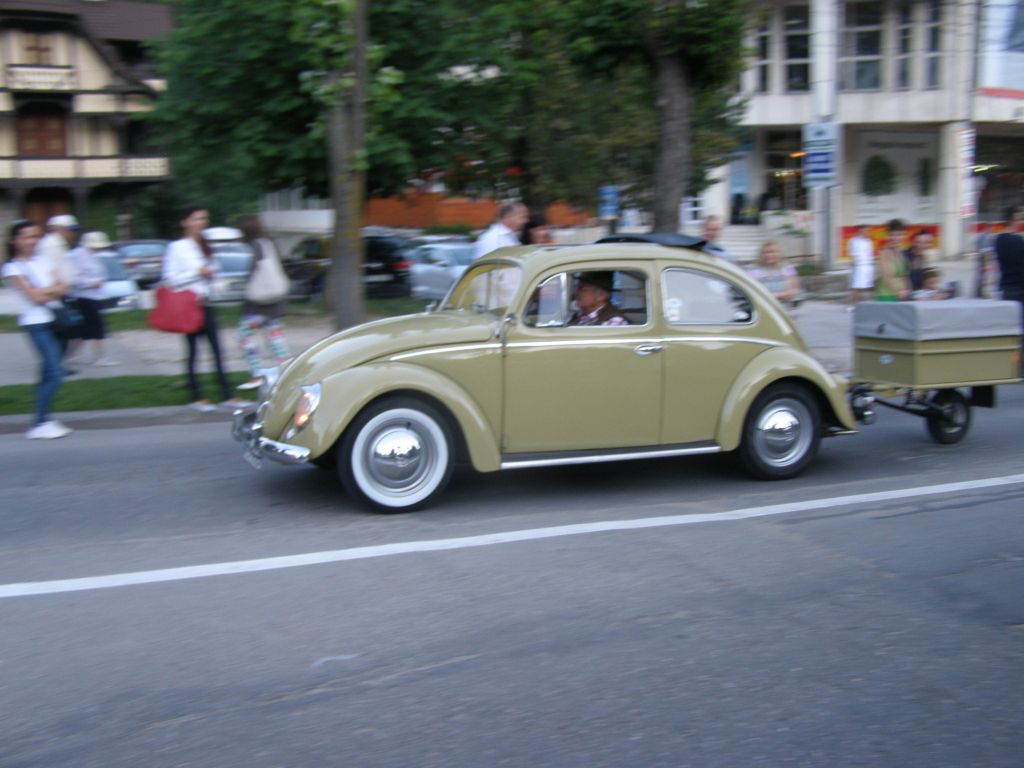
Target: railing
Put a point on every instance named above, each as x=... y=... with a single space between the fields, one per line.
x=116 y=167
x=36 y=77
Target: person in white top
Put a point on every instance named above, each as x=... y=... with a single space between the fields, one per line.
x=36 y=284
x=189 y=265
x=504 y=232
x=55 y=245
x=87 y=290
x=861 y=251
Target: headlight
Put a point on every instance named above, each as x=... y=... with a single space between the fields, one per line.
x=308 y=401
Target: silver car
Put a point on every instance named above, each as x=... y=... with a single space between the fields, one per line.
x=234 y=263
x=437 y=265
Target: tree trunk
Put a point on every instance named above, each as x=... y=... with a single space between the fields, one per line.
x=673 y=159
x=346 y=138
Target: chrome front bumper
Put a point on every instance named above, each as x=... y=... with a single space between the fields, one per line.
x=247 y=428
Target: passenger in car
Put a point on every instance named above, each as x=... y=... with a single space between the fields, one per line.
x=593 y=292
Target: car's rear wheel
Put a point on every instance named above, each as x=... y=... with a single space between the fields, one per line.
x=781 y=433
x=396 y=455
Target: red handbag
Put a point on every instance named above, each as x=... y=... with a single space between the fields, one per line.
x=176 y=311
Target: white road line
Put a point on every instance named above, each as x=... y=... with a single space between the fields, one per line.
x=25 y=589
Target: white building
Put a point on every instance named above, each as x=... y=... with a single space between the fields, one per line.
x=909 y=83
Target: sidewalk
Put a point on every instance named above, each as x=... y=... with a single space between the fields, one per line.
x=824 y=325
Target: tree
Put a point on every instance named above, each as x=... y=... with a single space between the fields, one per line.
x=337 y=32
x=693 y=51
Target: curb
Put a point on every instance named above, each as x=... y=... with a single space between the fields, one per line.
x=121 y=419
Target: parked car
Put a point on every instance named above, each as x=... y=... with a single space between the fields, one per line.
x=436 y=265
x=234 y=263
x=385 y=269
x=142 y=259
x=119 y=291
x=500 y=377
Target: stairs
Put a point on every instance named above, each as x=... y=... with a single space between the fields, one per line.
x=743 y=241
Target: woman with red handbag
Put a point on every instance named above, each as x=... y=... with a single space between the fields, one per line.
x=189 y=265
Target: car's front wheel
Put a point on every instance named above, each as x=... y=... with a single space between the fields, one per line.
x=396 y=455
x=781 y=433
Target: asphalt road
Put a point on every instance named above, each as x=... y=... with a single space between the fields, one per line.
x=868 y=613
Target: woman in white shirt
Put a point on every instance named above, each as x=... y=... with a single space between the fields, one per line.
x=189 y=265
x=36 y=285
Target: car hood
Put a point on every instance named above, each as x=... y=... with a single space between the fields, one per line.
x=384 y=338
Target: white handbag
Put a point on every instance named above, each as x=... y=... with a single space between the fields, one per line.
x=268 y=282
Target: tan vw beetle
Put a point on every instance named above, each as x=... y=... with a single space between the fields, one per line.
x=517 y=369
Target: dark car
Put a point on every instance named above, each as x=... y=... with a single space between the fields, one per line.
x=142 y=259
x=385 y=268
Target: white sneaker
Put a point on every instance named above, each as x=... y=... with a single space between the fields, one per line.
x=204 y=406
x=254 y=383
x=106 y=362
x=48 y=430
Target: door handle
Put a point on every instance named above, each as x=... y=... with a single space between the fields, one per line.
x=647 y=349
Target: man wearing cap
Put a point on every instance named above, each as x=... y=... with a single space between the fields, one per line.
x=87 y=290
x=593 y=291
x=55 y=244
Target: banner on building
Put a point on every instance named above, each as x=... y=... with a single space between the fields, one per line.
x=897 y=175
x=1001 y=44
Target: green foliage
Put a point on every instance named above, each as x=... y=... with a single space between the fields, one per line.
x=879 y=177
x=458 y=228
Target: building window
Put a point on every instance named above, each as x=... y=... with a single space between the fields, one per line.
x=764 y=56
x=42 y=132
x=38 y=50
x=904 y=46
x=933 y=46
x=797 y=21
x=860 y=62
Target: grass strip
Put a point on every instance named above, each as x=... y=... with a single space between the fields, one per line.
x=117 y=392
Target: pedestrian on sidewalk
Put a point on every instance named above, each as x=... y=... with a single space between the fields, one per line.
x=503 y=232
x=87 y=292
x=1009 y=250
x=266 y=301
x=775 y=275
x=892 y=283
x=36 y=283
x=861 y=251
x=711 y=231
x=189 y=264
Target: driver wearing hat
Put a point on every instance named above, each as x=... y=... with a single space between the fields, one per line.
x=593 y=291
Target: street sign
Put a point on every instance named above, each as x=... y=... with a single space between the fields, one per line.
x=608 y=207
x=821 y=150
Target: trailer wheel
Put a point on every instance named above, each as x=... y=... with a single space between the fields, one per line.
x=952 y=423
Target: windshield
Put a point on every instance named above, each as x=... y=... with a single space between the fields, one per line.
x=485 y=288
x=142 y=251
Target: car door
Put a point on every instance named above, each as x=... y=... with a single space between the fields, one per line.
x=710 y=337
x=575 y=388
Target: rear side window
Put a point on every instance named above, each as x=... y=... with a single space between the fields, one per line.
x=692 y=296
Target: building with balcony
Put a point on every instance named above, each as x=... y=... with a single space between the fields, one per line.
x=74 y=75
x=928 y=101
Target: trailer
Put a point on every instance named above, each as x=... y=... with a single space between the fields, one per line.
x=934 y=359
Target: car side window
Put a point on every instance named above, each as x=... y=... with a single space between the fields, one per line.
x=699 y=297
x=547 y=305
x=555 y=303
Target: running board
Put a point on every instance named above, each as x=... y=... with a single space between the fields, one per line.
x=561 y=458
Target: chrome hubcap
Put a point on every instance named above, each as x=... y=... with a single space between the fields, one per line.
x=781 y=434
x=396 y=456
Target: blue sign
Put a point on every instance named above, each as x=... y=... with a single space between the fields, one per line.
x=820 y=145
x=608 y=207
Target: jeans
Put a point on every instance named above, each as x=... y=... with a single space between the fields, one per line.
x=51 y=373
x=209 y=330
